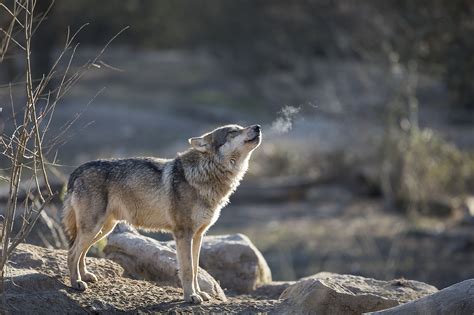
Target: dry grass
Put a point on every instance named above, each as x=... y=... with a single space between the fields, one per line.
x=422 y=171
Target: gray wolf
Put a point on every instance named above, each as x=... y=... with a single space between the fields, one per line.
x=183 y=196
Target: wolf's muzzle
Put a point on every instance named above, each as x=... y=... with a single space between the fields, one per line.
x=254 y=133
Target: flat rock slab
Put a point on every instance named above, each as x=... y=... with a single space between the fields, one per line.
x=328 y=293
x=457 y=299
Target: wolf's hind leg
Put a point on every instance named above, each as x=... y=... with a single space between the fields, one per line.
x=88 y=226
x=73 y=261
x=83 y=242
x=103 y=232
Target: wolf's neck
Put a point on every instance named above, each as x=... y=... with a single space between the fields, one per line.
x=215 y=180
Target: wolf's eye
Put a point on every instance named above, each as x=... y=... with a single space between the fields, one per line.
x=233 y=133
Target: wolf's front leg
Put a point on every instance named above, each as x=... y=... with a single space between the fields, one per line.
x=185 y=261
x=197 y=240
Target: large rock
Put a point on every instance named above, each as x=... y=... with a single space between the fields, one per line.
x=231 y=259
x=235 y=262
x=147 y=259
x=457 y=299
x=328 y=293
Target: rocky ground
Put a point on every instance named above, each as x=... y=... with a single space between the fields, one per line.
x=37 y=283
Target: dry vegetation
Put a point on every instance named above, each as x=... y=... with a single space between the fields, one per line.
x=25 y=149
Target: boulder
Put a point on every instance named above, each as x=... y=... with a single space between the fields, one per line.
x=328 y=293
x=231 y=259
x=147 y=259
x=453 y=300
x=235 y=262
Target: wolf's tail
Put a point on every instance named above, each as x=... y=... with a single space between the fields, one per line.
x=69 y=221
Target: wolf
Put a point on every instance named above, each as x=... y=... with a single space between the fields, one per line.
x=183 y=196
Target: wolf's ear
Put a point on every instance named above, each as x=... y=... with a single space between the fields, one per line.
x=199 y=143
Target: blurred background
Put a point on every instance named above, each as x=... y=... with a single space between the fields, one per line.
x=367 y=108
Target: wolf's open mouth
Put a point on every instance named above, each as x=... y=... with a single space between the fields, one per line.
x=253 y=139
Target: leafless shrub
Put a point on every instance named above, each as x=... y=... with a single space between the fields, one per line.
x=25 y=147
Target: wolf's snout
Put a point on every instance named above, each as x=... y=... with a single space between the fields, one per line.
x=254 y=128
x=253 y=134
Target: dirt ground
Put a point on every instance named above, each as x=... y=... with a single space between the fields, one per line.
x=38 y=284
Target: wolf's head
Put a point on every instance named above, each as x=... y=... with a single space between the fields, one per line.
x=231 y=143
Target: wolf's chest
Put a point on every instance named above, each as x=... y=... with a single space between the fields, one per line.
x=206 y=216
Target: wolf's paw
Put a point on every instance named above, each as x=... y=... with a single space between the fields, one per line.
x=194 y=298
x=79 y=285
x=89 y=277
x=204 y=295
